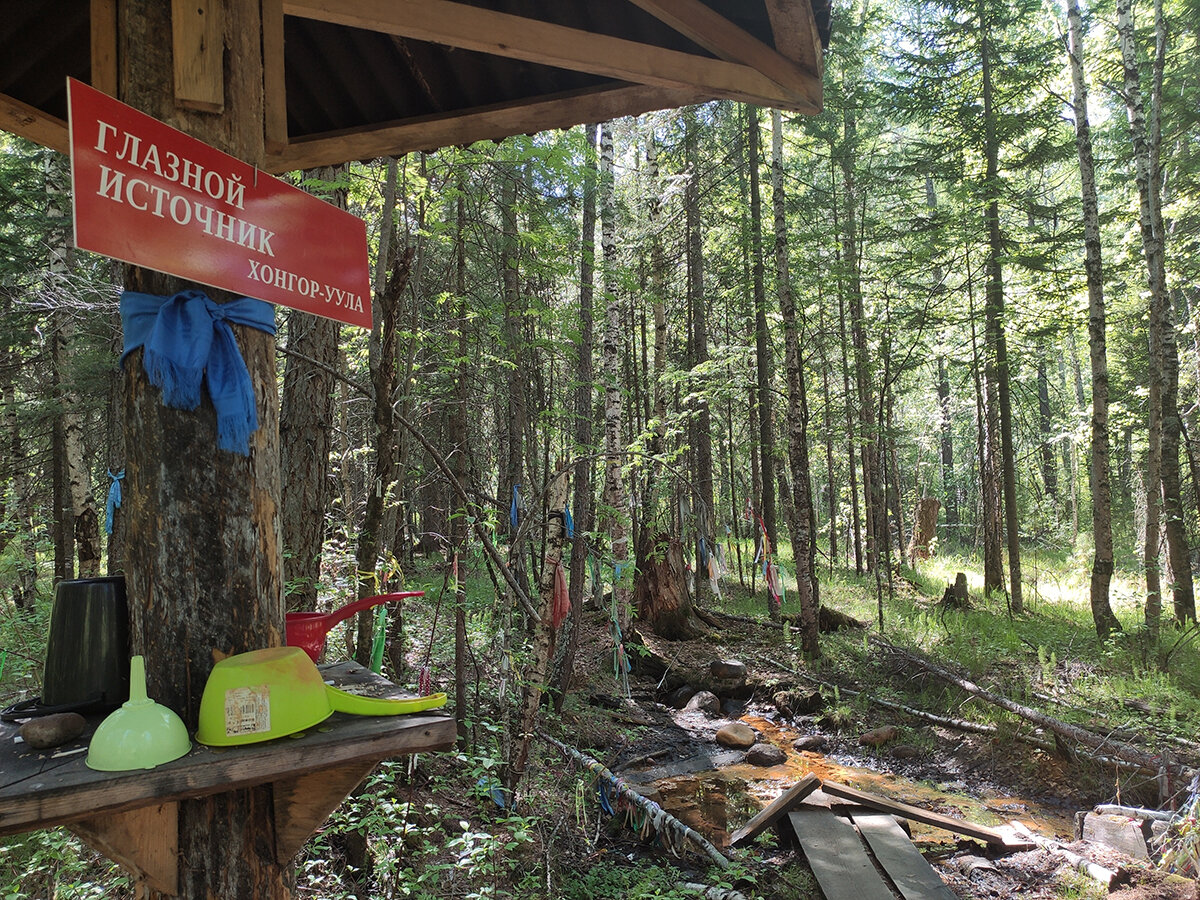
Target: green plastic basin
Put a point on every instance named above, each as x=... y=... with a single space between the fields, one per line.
x=261 y=695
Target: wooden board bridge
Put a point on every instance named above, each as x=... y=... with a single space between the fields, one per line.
x=855 y=845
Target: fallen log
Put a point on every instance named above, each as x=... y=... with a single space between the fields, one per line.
x=964 y=724
x=1099 y=743
x=1095 y=871
x=661 y=820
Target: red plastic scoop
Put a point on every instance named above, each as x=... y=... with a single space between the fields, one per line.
x=308 y=629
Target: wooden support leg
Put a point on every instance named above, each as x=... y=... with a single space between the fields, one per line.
x=145 y=841
x=304 y=802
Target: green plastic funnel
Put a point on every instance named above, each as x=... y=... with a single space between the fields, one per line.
x=141 y=734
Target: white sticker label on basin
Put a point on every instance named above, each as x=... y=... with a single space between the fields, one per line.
x=247 y=710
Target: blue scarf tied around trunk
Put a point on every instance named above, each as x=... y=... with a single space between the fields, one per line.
x=187 y=339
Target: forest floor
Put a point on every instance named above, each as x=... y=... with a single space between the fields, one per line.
x=670 y=754
x=437 y=827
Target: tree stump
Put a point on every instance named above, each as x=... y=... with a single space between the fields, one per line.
x=660 y=590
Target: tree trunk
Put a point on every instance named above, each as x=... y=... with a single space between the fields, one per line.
x=874 y=511
x=834 y=494
x=924 y=529
x=1046 y=429
x=204 y=560
x=994 y=314
x=1101 y=485
x=986 y=439
x=306 y=434
x=803 y=534
x=80 y=525
x=459 y=447
x=18 y=516
x=583 y=411
x=1162 y=467
x=382 y=439
x=763 y=356
x=851 y=456
x=949 y=481
x=701 y=426
x=614 y=484
x=543 y=631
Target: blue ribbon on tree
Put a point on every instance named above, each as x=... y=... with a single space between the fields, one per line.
x=113 y=503
x=512 y=510
x=187 y=340
x=570 y=523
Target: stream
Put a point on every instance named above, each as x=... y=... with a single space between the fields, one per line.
x=718 y=801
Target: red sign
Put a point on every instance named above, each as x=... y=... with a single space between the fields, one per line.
x=150 y=195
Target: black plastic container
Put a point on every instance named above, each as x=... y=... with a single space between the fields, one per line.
x=87 y=652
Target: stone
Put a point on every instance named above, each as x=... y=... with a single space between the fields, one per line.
x=798 y=703
x=732 y=708
x=727 y=670
x=765 y=755
x=877 y=737
x=906 y=751
x=1118 y=832
x=737 y=736
x=52 y=731
x=814 y=743
x=679 y=697
x=705 y=702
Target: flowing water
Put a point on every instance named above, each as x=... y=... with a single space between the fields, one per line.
x=718 y=802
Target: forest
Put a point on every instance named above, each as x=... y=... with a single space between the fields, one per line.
x=708 y=383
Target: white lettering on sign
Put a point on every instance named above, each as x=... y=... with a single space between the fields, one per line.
x=308 y=287
x=213 y=222
x=191 y=175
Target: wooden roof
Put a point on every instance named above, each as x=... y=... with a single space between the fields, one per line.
x=353 y=79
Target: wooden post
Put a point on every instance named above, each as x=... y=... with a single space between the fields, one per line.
x=203 y=543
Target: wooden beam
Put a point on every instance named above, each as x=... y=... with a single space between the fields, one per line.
x=33 y=124
x=703 y=25
x=144 y=841
x=955 y=826
x=104 y=46
x=784 y=803
x=796 y=33
x=532 y=40
x=304 y=802
x=274 y=81
x=198 y=47
x=484 y=123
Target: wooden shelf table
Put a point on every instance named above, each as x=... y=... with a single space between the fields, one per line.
x=132 y=817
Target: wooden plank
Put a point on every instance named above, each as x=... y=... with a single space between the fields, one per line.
x=784 y=803
x=532 y=40
x=275 y=134
x=956 y=826
x=485 y=123
x=796 y=33
x=837 y=857
x=33 y=124
x=104 y=46
x=198 y=51
x=911 y=874
x=145 y=841
x=304 y=802
x=702 y=24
